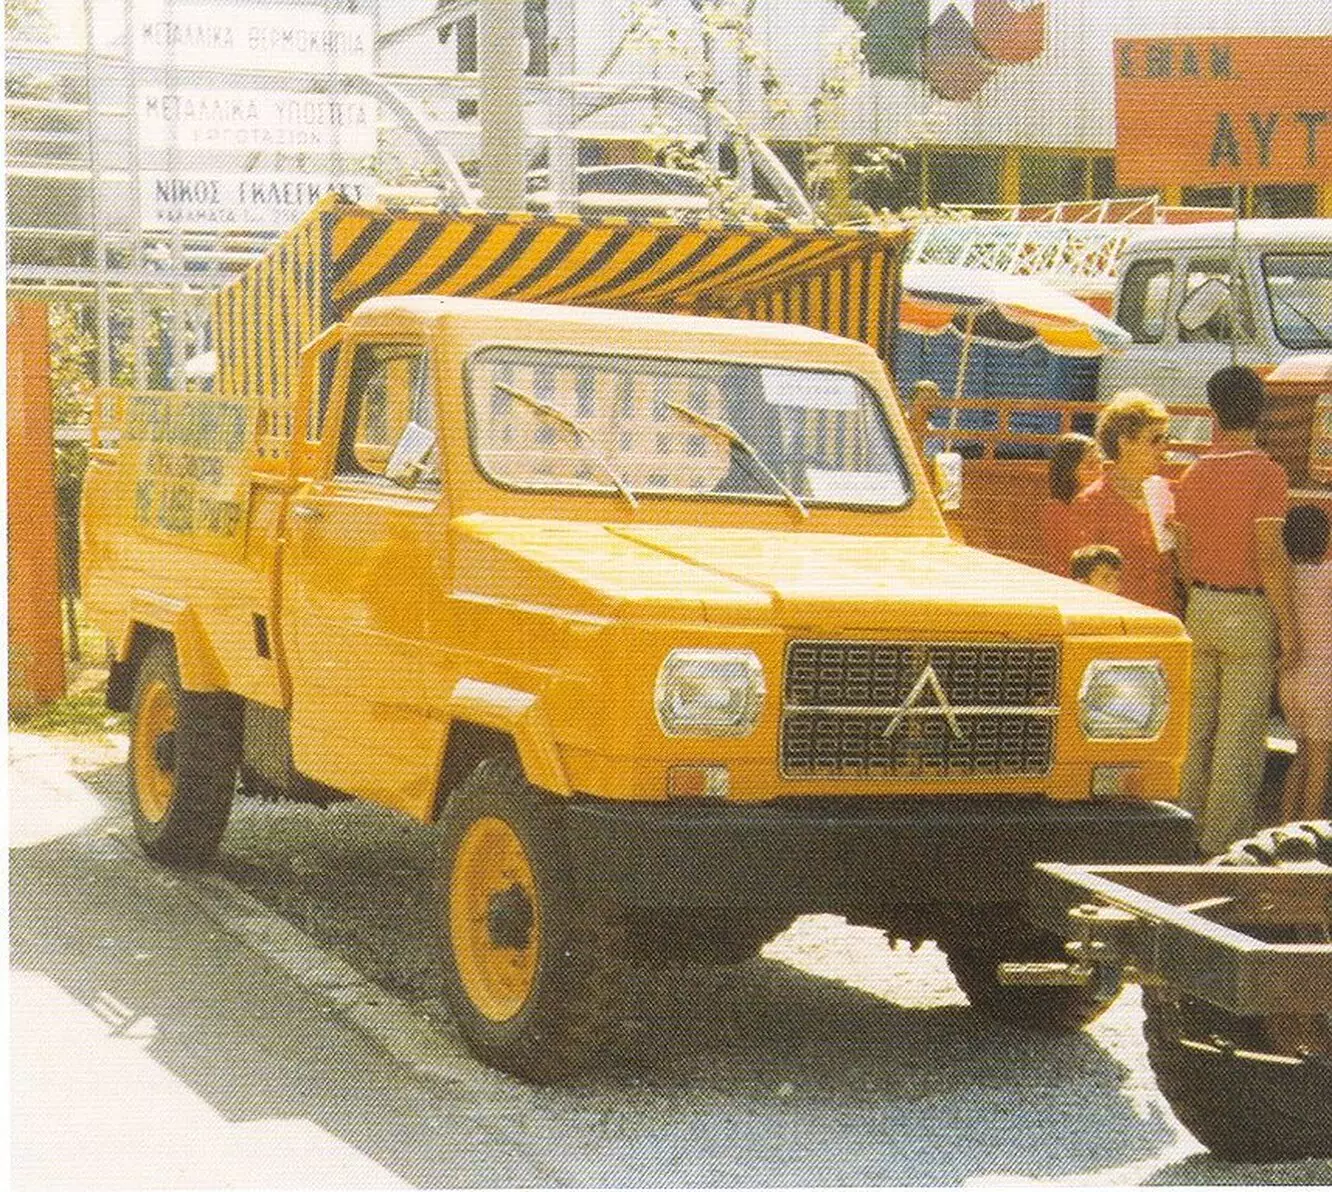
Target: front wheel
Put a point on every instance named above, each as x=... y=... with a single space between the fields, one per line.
x=533 y=971
x=184 y=755
x=1249 y=1087
x=975 y=957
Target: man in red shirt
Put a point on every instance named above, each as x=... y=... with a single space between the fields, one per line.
x=1228 y=507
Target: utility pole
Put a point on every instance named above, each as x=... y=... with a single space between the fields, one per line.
x=503 y=145
x=563 y=153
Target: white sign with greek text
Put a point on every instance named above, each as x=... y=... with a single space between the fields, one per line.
x=222 y=200
x=239 y=37
x=244 y=121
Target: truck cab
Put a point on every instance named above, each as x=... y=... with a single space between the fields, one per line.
x=1197 y=297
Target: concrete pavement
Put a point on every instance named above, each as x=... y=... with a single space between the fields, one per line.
x=168 y=1032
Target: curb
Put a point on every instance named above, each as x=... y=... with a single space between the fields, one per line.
x=401 y=1030
x=404 y=1032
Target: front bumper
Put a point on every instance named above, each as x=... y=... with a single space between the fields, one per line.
x=842 y=856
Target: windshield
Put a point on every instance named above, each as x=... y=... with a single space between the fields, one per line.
x=1299 y=288
x=658 y=425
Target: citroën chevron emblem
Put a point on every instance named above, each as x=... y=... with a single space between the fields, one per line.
x=927 y=680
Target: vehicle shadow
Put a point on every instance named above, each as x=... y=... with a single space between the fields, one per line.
x=1204 y=1170
x=762 y=1074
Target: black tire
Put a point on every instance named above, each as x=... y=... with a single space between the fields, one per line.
x=533 y=971
x=1243 y=1086
x=1056 y=1009
x=700 y=937
x=184 y=755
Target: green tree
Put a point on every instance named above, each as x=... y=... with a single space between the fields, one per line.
x=833 y=177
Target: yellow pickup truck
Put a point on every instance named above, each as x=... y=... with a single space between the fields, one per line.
x=652 y=615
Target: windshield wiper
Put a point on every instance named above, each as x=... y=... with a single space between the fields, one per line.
x=734 y=437
x=580 y=432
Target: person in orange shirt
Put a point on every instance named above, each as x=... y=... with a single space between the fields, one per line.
x=1228 y=510
x=1075 y=462
x=1131 y=430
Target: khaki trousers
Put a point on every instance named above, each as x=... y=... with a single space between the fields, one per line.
x=1235 y=656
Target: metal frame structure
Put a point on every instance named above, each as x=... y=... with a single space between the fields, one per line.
x=1191 y=926
x=105 y=253
x=1080 y=257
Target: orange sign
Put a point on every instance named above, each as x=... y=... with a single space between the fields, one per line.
x=1223 y=111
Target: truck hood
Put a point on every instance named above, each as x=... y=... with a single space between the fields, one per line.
x=917 y=586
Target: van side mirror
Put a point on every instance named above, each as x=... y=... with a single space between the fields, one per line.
x=1203 y=303
x=307 y=410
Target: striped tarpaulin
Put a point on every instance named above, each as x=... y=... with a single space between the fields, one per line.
x=843 y=281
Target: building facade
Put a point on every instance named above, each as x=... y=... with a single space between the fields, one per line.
x=987 y=101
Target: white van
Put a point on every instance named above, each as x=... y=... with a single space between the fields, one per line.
x=1196 y=297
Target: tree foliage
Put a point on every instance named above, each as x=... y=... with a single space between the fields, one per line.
x=831 y=179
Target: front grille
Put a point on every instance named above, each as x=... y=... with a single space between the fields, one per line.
x=918 y=709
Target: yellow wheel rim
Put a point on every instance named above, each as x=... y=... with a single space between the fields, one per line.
x=154 y=741
x=494 y=919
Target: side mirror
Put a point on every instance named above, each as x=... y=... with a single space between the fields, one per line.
x=1202 y=303
x=409 y=457
x=948 y=480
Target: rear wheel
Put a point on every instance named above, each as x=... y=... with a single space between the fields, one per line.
x=533 y=970
x=975 y=958
x=184 y=754
x=1246 y=1087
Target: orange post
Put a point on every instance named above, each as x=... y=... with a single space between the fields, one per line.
x=36 y=659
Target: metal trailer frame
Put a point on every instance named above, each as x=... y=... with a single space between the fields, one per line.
x=1190 y=926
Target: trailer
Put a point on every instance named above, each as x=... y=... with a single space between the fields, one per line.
x=1235 y=960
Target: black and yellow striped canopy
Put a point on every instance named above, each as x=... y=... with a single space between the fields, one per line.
x=840 y=280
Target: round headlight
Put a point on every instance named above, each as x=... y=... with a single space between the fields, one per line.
x=709 y=693
x=1122 y=699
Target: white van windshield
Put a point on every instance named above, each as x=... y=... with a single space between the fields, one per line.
x=553 y=419
x=1299 y=289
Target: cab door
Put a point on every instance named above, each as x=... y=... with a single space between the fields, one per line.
x=365 y=578
x=1147 y=295
x=1230 y=336
x=1168 y=360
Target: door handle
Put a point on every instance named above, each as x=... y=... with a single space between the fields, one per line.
x=307 y=512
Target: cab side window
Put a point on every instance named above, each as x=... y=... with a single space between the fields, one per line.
x=390 y=402
x=1232 y=321
x=1143 y=293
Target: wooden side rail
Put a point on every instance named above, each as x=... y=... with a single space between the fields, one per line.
x=991 y=423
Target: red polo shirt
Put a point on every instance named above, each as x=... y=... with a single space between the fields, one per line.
x=1058 y=535
x=1101 y=516
x=1217 y=502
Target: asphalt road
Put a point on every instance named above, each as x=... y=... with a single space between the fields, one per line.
x=830 y=1060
